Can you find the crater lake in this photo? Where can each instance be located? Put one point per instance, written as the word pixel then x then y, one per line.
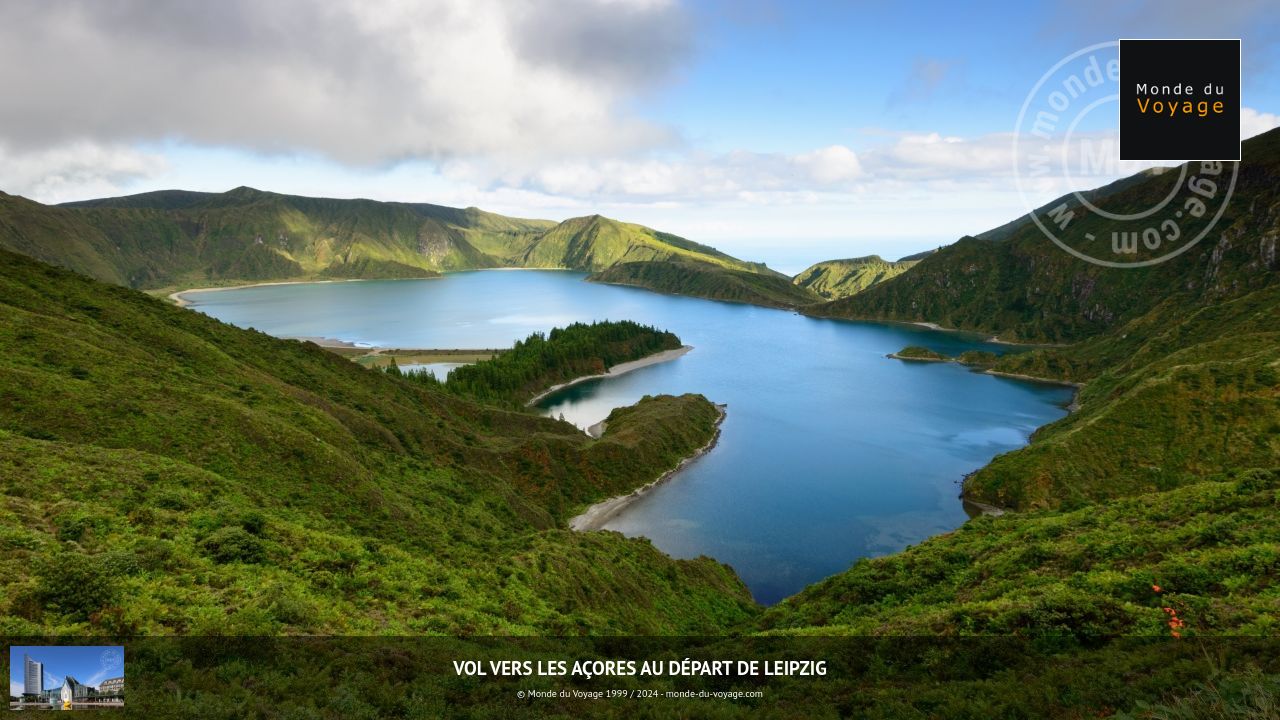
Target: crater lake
pixel 829 451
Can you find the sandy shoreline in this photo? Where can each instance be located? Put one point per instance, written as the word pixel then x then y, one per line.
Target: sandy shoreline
pixel 983 508
pixel 1073 406
pixel 616 370
pixel 597 430
pixel 177 297
pixel 1033 378
pixel 990 338
pixel 594 517
pixel 180 301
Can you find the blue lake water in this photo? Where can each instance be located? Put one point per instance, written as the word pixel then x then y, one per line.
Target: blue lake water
pixel 830 451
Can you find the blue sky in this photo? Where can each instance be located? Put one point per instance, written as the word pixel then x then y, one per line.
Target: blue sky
pixel 90 664
pixel 782 131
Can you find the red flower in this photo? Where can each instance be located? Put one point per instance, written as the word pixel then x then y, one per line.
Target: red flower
pixel 1156 588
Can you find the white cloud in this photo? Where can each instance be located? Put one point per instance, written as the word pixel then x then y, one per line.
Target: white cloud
pixel 1253 122
pixel 364 83
pixel 75 170
pixel 830 165
pixel 692 177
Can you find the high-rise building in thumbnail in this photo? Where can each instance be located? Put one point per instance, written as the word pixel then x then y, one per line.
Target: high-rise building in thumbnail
pixel 32 676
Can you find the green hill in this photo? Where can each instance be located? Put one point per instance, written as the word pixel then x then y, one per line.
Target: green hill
pixel 178 238
pixel 1025 288
pixel 711 281
pixel 1075 574
pixel 595 243
pixel 166 473
pixel 1172 397
pixel 832 279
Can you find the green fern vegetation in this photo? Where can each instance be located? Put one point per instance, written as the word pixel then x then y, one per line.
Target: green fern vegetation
pixel 165 473
pixel 1210 546
pixel 544 360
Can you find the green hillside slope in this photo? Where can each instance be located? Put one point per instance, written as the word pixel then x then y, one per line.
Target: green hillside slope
pixel 165 473
pixel 832 279
pixel 595 243
pixel 1171 398
pixel 1071 574
pixel 706 280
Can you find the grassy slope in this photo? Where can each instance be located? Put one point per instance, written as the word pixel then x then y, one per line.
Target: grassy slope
pixel 216 480
pixel 832 279
pixel 1174 396
pixel 595 243
pixel 705 280
pixel 1212 547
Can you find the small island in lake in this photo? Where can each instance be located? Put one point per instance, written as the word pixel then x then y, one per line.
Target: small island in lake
pixel 919 354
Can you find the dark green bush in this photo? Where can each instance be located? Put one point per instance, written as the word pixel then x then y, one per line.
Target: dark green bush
pixel 233 544
pixel 74 584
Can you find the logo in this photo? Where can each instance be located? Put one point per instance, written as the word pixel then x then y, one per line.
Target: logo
pixel 1180 99
pixel 1110 212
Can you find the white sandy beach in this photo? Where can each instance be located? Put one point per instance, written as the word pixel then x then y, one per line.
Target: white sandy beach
pixel 991 338
pixel 177 297
pixel 594 517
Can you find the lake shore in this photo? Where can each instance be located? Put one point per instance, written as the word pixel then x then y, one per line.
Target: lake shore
pixel 1073 406
pixel 616 370
pixel 595 516
pixel 180 301
pixel 989 338
pixel 908 358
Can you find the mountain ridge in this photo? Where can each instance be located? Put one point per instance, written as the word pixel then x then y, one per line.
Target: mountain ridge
pixel 179 238
pixel 833 279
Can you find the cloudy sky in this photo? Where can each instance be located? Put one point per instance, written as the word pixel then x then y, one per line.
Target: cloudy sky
pixel 781 131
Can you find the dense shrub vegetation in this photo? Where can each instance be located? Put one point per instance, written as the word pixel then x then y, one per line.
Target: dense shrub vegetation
pixel 164 473
pixel 543 360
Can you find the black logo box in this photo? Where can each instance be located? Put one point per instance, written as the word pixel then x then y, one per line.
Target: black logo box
pixel 1185 67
